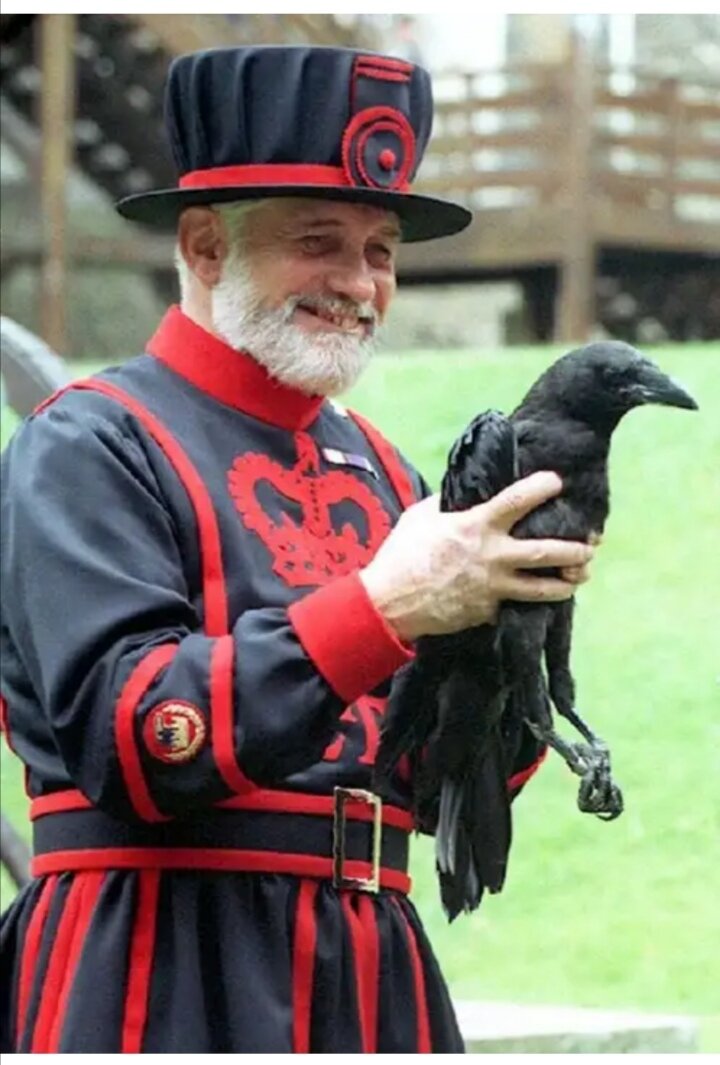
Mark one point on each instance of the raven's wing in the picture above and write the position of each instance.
(481, 462)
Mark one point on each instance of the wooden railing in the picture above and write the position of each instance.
(513, 136)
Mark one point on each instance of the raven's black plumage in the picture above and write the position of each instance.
(460, 708)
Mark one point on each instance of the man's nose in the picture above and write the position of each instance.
(353, 279)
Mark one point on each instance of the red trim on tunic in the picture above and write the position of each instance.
(394, 469)
(52, 397)
(30, 954)
(140, 962)
(91, 885)
(297, 802)
(215, 859)
(4, 723)
(357, 655)
(137, 684)
(214, 591)
(304, 965)
(229, 376)
(222, 714)
(524, 775)
(59, 802)
(424, 1038)
(56, 970)
(366, 953)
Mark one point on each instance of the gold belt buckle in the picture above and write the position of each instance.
(343, 796)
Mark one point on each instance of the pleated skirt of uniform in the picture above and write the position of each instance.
(183, 962)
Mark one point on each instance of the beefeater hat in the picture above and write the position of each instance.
(324, 123)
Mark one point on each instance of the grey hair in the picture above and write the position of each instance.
(234, 215)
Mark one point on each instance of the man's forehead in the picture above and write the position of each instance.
(297, 212)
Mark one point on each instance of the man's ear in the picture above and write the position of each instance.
(203, 244)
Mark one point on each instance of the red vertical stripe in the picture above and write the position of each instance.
(133, 691)
(4, 724)
(424, 1039)
(222, 710)
(366, 949)
(396, 472)
(31, 950)
(214, 591)
(91, 885)
(142, 950)
(304, 965)
(55, 976)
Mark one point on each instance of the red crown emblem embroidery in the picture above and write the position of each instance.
(310, 553)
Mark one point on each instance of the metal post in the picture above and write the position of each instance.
(57, 35)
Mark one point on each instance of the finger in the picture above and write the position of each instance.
(538, 554)
(537, 590)
(575, 574)
(514, 502)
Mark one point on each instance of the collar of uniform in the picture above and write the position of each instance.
(230, 376)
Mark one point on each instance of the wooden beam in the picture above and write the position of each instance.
(103, 253)
(57, 35)
(575, 304)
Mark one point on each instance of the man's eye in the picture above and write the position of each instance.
(313, 244)
(381, 253)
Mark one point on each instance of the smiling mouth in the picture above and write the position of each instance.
(341, 321)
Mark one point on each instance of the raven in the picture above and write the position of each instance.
(459, 709)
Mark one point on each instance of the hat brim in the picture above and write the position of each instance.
(421, 217)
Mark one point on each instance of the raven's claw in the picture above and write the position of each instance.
(598, 794)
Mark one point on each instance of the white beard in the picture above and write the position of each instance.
(322, 363)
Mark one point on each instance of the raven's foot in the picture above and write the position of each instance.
(598, 793)
(578, 757)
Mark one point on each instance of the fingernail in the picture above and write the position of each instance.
(550, 475)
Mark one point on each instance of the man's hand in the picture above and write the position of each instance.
(442, 572)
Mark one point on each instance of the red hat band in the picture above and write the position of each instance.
(279, 174)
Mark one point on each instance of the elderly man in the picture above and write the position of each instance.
(210, 573)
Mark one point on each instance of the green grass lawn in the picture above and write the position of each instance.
(626, 914)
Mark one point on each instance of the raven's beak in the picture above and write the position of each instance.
(653, 386)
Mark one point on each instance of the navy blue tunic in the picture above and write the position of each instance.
(190, 668)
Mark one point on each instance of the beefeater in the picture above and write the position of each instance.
(211, 572)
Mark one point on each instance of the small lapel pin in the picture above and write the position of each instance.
(347, 458)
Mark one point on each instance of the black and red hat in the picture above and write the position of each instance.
(325, 123)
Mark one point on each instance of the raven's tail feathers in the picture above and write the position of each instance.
(474, 833)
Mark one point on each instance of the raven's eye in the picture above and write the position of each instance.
(612, 378)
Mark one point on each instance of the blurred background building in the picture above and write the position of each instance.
(588, 145)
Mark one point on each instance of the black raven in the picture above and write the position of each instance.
(460, 708)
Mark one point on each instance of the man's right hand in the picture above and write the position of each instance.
(440, 572)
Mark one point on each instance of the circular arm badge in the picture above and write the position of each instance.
(174, 731)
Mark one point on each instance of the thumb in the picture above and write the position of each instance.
(518, 499)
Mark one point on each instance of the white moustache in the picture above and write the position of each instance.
(332, 306)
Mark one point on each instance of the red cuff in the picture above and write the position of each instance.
(349, 642)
